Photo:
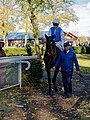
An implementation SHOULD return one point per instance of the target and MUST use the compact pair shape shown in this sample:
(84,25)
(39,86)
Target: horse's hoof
(49,93)
(55,88)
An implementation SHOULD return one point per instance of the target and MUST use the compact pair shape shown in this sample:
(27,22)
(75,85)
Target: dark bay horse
(50,57)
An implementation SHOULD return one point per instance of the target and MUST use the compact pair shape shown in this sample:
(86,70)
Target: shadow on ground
(34,103)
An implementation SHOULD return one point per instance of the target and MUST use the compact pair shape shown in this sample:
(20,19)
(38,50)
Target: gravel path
(34,103)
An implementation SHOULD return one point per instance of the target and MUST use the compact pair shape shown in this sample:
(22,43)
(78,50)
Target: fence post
(19,73)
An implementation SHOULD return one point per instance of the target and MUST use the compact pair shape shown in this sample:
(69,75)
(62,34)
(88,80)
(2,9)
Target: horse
(50,58)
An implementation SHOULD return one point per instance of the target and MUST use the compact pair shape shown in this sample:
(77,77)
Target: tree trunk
(25,39)
(35,31)
(6,40)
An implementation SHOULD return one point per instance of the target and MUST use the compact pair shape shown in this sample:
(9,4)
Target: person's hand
(44,40)
(54,68)
(77,72)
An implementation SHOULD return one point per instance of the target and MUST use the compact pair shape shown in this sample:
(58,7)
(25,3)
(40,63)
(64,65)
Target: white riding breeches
(59,45)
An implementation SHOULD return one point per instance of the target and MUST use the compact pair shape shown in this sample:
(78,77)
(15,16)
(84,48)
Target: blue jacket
(67,60)
(57,33)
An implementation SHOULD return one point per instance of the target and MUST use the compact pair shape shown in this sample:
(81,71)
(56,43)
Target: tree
(6,18)
(44,11)
(33,7)
(60,9)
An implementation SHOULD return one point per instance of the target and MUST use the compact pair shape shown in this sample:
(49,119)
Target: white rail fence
(11,70)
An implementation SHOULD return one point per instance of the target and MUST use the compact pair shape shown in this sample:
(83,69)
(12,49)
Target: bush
(83,50)
(33,50)
(15,51)
(34,74)
(78,49)
(88,50)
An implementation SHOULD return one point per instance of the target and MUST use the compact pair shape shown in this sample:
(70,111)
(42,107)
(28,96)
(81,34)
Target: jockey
(59,34)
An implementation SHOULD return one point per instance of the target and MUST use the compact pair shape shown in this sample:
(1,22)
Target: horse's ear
(46,36)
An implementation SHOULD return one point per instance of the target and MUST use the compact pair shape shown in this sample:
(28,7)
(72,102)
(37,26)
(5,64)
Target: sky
(82,28)
(82,9)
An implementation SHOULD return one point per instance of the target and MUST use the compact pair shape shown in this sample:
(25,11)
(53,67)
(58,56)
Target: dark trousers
(58,51)
(67,83)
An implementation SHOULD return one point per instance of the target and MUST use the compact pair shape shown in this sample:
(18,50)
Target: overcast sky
(82,9)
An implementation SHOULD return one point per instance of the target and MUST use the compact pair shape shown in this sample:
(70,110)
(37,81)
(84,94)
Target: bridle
(52,49)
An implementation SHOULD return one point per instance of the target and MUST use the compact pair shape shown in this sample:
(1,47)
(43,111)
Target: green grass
(84,62)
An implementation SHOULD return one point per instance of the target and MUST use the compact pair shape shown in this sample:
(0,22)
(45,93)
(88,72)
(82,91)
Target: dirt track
(34,104)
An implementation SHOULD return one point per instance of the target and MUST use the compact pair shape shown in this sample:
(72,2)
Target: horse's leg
(54,80)
(56,71)
(49,79)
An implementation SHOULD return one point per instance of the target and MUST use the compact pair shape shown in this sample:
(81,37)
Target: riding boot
(55,87)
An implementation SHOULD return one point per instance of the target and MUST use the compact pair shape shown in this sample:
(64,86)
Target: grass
(84,62)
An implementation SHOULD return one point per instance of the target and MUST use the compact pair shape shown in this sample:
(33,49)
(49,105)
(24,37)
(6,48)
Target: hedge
(88,50)
(11,51)
(82,49)
(34,74)
(31,50)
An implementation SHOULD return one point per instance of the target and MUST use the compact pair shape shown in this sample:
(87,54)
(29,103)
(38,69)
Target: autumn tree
(60,9)
(44,11)
(7,18)
(24,21)
(33,7)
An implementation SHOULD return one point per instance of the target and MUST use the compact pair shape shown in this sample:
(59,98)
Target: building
(20,39)
(17,39)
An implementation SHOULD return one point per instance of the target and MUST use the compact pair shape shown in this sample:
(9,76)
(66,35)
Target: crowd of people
(86,43)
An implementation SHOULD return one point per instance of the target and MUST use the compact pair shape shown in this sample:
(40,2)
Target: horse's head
(49,38)
(50,45)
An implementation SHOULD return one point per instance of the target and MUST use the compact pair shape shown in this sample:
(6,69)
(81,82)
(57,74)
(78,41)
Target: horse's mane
(50,53)
(50,43)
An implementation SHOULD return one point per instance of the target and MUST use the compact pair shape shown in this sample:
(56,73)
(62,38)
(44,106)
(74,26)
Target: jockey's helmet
(56,21)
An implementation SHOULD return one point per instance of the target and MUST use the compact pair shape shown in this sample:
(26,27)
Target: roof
(17,36)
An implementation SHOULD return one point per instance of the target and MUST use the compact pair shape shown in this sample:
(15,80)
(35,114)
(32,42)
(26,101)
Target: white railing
(7,65)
